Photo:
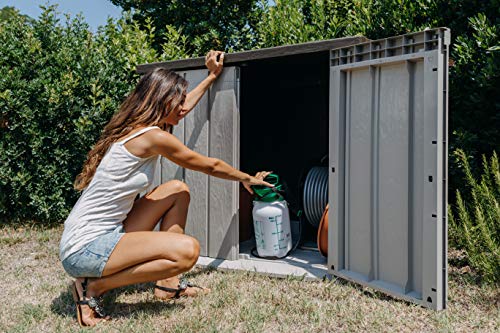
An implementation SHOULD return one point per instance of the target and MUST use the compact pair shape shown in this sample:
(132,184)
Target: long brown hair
(155,96)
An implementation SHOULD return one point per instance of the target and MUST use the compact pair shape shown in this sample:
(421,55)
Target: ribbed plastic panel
(389,47)
(388,162)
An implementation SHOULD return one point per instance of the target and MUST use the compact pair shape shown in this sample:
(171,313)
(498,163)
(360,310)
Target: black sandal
(95,303)
(183,285)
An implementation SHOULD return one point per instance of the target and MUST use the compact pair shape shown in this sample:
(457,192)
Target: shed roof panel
(244,56)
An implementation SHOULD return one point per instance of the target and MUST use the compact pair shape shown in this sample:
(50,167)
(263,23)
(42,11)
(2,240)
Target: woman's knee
(177,187)
(185,253)
(194,251)
(190,252)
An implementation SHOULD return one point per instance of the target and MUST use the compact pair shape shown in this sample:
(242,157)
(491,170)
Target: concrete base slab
(310,265)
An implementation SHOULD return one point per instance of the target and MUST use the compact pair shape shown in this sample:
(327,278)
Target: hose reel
(315,195)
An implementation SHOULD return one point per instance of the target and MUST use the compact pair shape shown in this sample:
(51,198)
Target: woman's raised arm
(169,146)
(215,68)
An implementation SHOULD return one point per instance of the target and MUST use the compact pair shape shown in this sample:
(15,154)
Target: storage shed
(377,109)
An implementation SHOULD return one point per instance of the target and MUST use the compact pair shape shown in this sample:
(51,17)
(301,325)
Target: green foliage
(59,86)
(385,18)
(455,14)
(207,24)
(59,83)
(476,228)
(7,12)
(475,24)
(175,44)
(474,88)
(297,21)
(474,78)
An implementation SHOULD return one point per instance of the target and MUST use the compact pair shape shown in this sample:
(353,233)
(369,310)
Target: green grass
(36,298)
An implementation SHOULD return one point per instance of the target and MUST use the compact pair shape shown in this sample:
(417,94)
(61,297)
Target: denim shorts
(90,260)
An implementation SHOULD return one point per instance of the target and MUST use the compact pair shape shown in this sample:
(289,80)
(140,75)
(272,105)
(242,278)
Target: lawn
(36,298)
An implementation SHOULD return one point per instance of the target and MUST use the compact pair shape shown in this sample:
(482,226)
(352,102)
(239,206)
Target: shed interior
(284,106)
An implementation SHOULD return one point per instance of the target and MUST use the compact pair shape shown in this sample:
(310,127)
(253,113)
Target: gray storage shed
(378,109)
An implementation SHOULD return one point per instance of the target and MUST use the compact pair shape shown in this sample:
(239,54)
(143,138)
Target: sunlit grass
(36,298)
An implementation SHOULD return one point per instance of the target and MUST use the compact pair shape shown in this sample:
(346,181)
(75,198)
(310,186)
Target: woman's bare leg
(146,256)
(169,202)
(142,255)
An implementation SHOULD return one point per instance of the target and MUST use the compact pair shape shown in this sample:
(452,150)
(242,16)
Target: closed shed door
(388,153)
(211,129)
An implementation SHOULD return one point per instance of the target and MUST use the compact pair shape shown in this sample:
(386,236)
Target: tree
(60,83)
(208,24)
(9,12)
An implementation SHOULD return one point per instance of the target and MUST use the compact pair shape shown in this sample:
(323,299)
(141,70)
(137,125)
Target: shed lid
(245,56)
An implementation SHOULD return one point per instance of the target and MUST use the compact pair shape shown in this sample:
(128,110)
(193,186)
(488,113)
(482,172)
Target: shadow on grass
(64,305)
(370,292)
(199,271)
(487,299)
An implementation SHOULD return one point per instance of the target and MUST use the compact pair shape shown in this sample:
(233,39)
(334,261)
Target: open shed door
(211,129)
(388,165)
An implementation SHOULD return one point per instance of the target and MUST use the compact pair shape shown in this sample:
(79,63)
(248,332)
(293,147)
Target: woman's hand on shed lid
(214,65)
(258,179)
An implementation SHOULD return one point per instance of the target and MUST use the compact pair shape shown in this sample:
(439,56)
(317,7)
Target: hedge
(59,85)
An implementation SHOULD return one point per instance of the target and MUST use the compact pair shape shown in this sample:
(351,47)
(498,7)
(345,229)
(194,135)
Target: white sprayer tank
(271,222)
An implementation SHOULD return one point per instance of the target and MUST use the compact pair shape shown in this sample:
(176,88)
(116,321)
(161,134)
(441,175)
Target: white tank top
(106,201)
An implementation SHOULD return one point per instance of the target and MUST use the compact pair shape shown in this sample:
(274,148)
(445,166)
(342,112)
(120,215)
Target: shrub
(59,85)
(475,52)
(476,227)
(297,21)
(208,24)
(474,93)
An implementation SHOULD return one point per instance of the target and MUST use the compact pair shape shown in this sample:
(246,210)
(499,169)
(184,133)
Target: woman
(108,239)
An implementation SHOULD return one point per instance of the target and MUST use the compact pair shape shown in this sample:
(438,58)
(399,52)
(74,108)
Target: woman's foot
(85,314)
(174,283)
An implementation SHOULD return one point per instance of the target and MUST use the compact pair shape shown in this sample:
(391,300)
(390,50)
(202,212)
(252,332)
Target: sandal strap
(189,284)
(183,285)
(84,287)
(95,303)
(170,290)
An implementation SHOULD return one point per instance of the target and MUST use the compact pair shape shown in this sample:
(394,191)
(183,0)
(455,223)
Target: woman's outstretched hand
(257,180)
(214,65)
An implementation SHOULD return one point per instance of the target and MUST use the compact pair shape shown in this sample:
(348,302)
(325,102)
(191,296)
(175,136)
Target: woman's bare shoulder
(144,145)
(145,135)
(158,137)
